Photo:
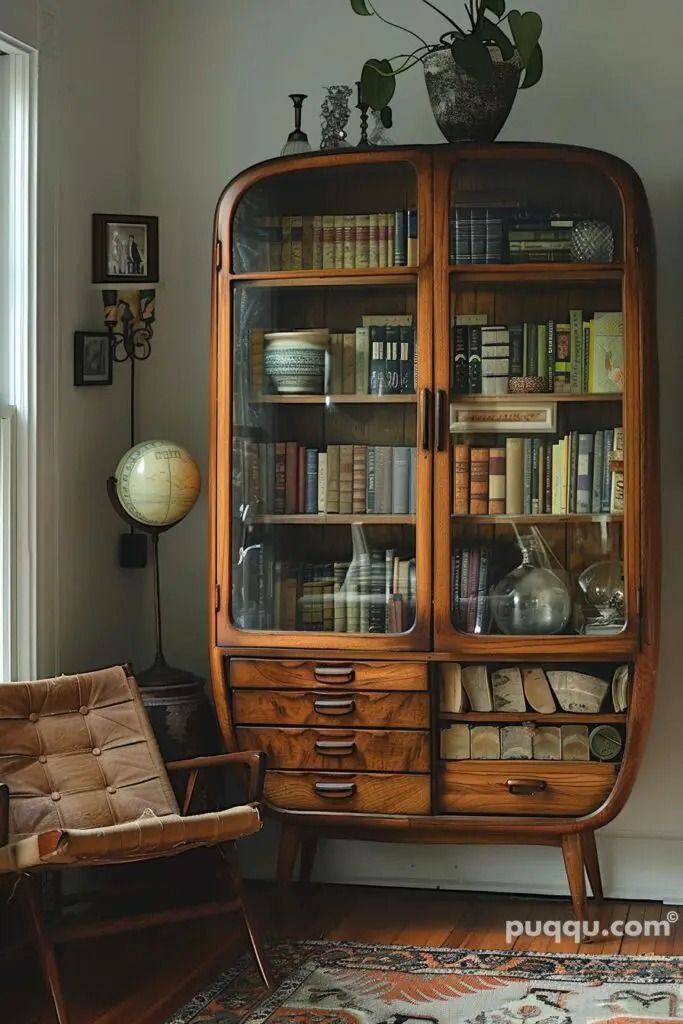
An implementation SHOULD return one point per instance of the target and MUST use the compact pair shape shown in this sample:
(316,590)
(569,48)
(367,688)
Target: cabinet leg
(286,858)
(309,848)
(572,851)
(592,863)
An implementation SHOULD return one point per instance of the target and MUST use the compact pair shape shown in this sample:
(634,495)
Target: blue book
(311,481)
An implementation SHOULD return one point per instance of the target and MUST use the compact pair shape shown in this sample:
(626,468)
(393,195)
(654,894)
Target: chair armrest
(253,760)
(4,814)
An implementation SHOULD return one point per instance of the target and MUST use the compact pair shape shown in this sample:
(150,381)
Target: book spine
(461,248)
(345,479)
(307,252)
(297,235)
(328,242)
(377,360)
(383,240)
(481,610)
(586,355)
(617,471)
(392,366)
(291,462)
(516,350)
(575,350)
(338,242)
(596,486)
(360,478)
(514,476)
(322,481)
(280,476)
(573,469)
(532,350)
(563,364)
(461,479)
(286,249)
(551,355)
(606,487)
(383,471)
(400,479)
(362,360)
(584,477)
(535,453)
(460,360)
(301,479)
(411,234)
(348,363)
(364,585)
(474,360)
(317,260)
(332,499)
(362,240)
(494,236)
(479,481)
(349,244)
(478,234)
(311,505)
(371,479)
(400,238)
(373,240)
(542,347)
(496,481)
(407,361)
(377,611)
(548,480)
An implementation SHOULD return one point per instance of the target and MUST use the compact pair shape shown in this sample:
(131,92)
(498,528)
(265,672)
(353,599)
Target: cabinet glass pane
(324,462)
(335,218)
(537,442)
(533,211)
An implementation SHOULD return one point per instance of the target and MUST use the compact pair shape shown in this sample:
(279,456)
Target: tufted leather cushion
(86,778)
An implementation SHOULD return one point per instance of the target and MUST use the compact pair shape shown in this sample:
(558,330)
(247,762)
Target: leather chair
(82,783)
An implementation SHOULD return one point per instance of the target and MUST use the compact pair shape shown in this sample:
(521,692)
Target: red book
(479,481)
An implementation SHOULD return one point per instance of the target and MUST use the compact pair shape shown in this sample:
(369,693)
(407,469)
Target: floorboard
(140,978)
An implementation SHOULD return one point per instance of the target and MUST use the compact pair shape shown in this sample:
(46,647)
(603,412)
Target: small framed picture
(501,417)
(92,358)
(125,248)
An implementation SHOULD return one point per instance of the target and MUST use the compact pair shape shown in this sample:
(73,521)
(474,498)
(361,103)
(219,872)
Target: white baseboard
(633,867)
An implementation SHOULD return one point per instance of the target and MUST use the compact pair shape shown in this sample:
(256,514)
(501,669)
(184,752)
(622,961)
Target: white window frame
(18,559)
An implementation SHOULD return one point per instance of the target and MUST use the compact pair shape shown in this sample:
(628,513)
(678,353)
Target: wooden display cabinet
(333,606)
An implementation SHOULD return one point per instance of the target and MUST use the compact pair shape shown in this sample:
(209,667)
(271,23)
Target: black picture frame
(121,243)
(93,364)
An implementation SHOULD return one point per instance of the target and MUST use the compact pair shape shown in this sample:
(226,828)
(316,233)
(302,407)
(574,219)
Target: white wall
(88,162)
(214,85)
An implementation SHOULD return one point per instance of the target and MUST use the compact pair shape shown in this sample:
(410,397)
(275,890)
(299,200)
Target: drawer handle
(334,673)
(334,707)
(526,787)
(335,790)
(335,748)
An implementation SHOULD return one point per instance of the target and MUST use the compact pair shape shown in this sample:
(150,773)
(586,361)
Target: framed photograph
(92,358)
(125,249)
(501,417)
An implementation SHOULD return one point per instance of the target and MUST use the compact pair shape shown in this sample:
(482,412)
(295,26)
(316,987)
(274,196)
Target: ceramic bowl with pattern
(295,361)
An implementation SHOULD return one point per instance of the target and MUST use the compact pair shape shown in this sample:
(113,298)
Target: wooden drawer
(558,789)
(365,675)
(379,750)
(328,708)
(346,791)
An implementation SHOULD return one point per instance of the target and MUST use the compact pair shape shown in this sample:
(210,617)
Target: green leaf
(526,31)
(360,7)
(377,83)
(534,68)
(386,117)
(473,56)
(497,6)
(492,33)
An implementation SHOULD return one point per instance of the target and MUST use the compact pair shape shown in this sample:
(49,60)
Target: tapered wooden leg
(286,858)
(572,851)
(592,863)
(309,848)
(30,898)
(229,856)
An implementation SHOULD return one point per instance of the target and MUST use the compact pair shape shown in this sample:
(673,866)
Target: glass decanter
(533,599)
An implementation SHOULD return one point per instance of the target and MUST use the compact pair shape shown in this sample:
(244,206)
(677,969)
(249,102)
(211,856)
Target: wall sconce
(129,319)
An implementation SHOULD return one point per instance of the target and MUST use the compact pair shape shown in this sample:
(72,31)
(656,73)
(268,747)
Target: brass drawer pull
(335,748)
(526,787)
(335,790)
(334,707)
(334,673)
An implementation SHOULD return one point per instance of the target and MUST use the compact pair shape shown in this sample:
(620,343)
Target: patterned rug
(354,983)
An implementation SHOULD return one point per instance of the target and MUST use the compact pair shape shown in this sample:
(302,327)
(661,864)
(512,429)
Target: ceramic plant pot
(295,361)
(465,109)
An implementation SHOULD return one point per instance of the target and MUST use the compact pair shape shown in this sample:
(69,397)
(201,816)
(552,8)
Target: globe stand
(179,711)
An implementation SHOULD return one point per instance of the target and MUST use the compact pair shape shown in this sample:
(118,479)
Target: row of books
(377,358)
(286,478)
(577,357)
(470,568)
(581,473)
(335,241)
(496,234)
(373,593)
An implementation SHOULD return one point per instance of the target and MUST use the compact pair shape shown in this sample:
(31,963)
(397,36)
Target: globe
(157,483)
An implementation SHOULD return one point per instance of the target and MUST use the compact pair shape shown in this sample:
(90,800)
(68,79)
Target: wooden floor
(140,978)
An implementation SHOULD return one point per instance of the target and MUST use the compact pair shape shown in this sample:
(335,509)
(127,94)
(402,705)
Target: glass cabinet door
(329,478)
(532,351)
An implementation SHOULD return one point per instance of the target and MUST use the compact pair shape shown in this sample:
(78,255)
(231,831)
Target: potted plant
(473,71)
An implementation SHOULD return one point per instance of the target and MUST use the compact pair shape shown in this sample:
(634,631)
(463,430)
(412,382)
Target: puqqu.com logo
(587,931)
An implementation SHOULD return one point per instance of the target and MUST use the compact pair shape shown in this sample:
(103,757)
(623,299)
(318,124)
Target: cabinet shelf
(555,718)
(372,276)
(571,519)
(334,399)
(333,519)
(542,396)
(596,273)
